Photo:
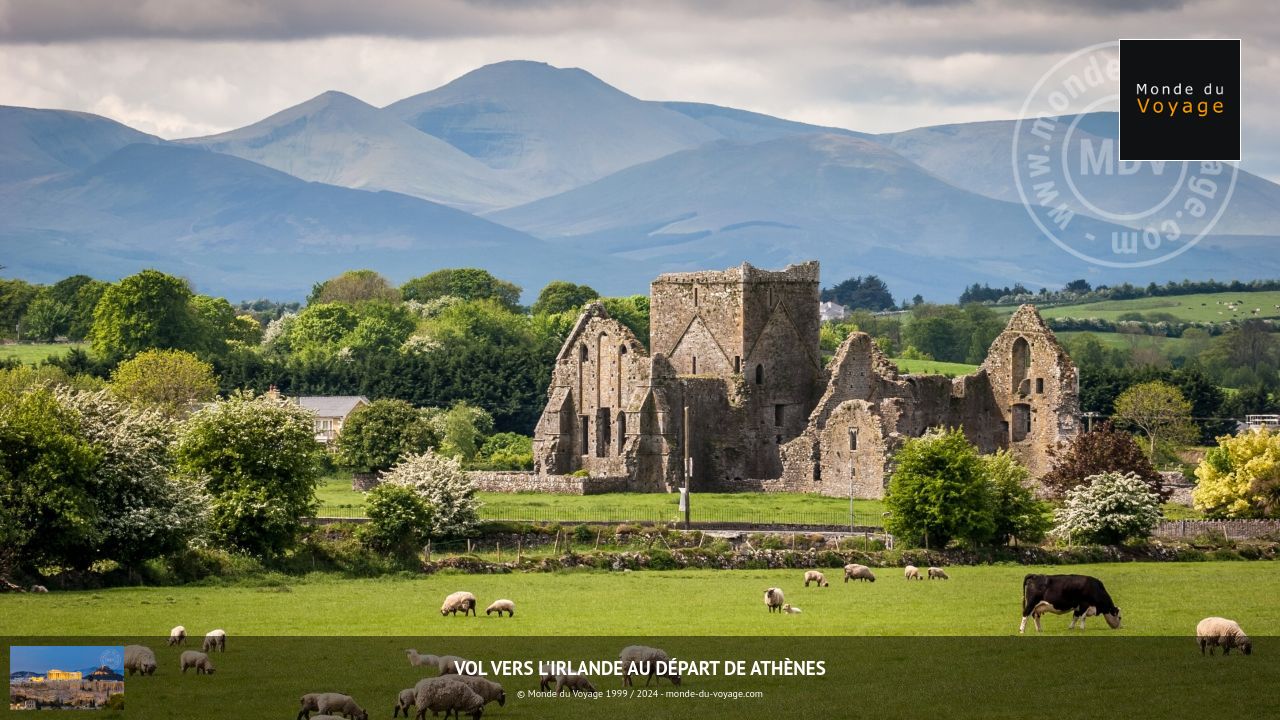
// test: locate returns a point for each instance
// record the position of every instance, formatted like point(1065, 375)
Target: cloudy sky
point(178, 68)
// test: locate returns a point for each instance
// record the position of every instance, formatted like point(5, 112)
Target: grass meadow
point(894, 648)
point(33, 353)
point(1202, 307)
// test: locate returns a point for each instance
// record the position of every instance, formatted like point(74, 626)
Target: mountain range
point(540, 173)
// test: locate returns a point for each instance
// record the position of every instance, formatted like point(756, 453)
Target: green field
point(902, 649)
point(933, 367)
point(1204, 307)
point(33, 353)
point(335, 494)
point(1156, 598)
point(1168, 346)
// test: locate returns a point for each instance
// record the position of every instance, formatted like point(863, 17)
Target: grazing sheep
point(815, 576)
point(449, 695)
point(791, 609)
point(450, 665)
point(177, 636)
point(331, 703)
point(484, 687)
point(632, 654)
point(858, 572)
point(501, 606)
point(773, 599)
point(460, 601)
point(911, 572)
point(937, 573)
point(215, 639)
point(574, 684)
point(545, 682)
point(197, 660)
point(139, 659)
point(416, 659)
point(403, 702)
point(39, 589)
point(1213, 632)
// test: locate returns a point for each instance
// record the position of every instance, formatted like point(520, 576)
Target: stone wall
point(529, 481)
point(1231, 529)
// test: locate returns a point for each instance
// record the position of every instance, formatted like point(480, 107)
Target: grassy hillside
point(33, 353)
point(1205, 307)
point(933, 367)
point(1166, 345)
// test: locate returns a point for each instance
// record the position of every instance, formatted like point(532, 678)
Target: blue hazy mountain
point(336, 139)
point(241, 229)
point(38, 143)
point(546, 128)
point(854, 204)
point(978, 157)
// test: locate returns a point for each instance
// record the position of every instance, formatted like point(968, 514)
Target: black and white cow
point(1080, 595)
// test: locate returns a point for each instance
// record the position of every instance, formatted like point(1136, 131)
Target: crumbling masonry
point(737, 353)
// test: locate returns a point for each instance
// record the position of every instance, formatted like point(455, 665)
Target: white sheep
point(633, 654)
point(547, 680)
point(39, 589)
point(501, 606)
point(791, 609)
point(447, 694)
point(450, 665)
point(574, 684)
point(1213, 632)
point(911, 572)
point(815, 576)
point(460, 601)
point(331, 703)
point(215, 640)
point(773, 599)
point(415, 658)
point(197, 660)
point(404, 701)
point(854, 571)
point(484, 687)
point(139, 659)
point(177, 636)
point(937, 573)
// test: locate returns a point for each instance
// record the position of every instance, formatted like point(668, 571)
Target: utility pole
point(853, 446)
point(688, 468)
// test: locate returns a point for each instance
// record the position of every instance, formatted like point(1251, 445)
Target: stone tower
point(757, 330)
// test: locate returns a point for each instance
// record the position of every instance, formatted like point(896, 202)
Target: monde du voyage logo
point(1149, 189)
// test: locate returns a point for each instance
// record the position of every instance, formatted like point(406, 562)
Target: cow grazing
point(1081, 595)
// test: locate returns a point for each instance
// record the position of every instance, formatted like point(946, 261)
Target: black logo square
point(1180, 100)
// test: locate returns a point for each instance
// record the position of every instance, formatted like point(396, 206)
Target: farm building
point(736, 357)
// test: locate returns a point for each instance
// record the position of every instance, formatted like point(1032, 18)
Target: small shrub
point(1111, 509)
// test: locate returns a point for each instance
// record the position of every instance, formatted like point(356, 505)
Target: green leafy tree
point(1017, 513)
point(939, 492)
point(632, 311)
point(377, 435)
point(506, 451)
point(354, 287)
point(1104, 449)
point(381, 328)
point(400, 520)
point(46, 318)
point(462, 430)
point(15, 296)
point(1159, 412)
point(560, 296)
point(48, 512)
point(444, 488)
point(1111, 509)
point(149, 310)
point(464, 283)
point(1240, 478)
point(258, 460)
point(867, 293)
point(320, 328)
point(171, 381)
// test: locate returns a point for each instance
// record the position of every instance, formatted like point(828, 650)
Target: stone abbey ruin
point(736, 352)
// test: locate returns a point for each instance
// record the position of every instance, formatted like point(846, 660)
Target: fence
point(620, 515)
point(1230, 529)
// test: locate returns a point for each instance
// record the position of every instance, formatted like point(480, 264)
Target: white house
point(331, 412)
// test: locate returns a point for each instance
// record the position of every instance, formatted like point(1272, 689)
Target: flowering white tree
point(1109, 509)
point(447, 491)
point(144, 510)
